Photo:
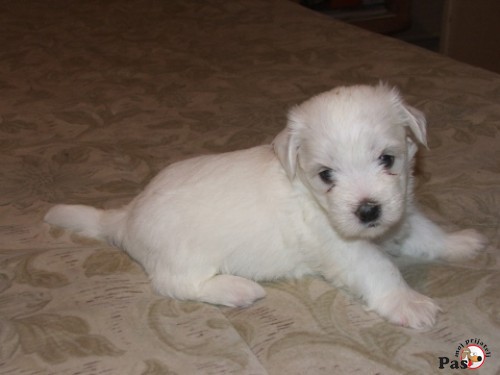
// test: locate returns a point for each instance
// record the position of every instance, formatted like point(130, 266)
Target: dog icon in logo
point(473, 355)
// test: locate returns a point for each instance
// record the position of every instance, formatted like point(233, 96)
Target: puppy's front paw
point(464, 244)
point(408, 308)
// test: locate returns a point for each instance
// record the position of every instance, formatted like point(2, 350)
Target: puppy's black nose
point(368, 211)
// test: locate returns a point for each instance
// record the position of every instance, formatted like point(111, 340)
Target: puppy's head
point(352, 147)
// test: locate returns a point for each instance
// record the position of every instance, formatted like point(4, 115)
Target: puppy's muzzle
point(368, 211)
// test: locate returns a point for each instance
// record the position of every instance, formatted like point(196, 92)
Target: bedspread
point(97, 96)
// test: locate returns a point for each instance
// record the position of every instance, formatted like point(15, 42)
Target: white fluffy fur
point(204, 228)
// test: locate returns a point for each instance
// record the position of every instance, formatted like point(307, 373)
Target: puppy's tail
point(89, 221)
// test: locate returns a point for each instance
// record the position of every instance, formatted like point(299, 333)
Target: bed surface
point(97, 97)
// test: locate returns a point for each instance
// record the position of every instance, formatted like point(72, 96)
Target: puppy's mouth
point(368, 219)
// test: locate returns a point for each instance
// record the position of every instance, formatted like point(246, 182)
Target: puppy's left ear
point(409, 116)
point(286, 147)
point(416, 122)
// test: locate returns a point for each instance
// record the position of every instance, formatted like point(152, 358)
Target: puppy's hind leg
point(428, 241)
point(227, 290)
point(231, 291)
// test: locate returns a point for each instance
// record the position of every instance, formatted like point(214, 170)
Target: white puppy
point(328, 197)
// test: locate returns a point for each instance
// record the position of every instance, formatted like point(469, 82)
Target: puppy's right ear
point(286, 147)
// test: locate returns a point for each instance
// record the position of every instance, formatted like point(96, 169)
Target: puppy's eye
point(386, 160)
point(326, 176)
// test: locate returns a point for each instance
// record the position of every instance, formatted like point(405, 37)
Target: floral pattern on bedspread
point(97, 97)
